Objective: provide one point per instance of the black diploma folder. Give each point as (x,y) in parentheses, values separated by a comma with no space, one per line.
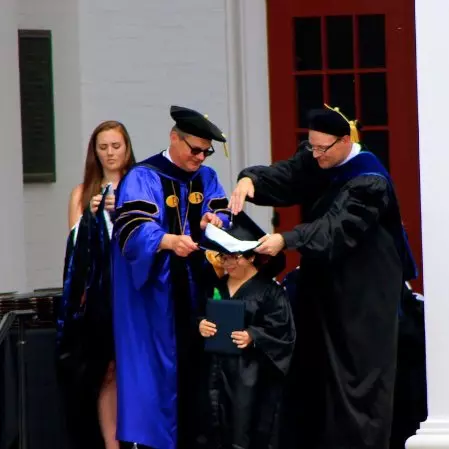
(229,316)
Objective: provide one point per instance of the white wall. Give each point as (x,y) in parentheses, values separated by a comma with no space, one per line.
(140,56)
(12,249)
(46,205)
(249,114)
(128,61)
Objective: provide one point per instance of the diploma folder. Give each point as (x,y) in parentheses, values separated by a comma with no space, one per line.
(229,316)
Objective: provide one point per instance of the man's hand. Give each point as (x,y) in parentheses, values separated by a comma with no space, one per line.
(181,245)
(211,218)
(243,189)
(207,328)
(272,244)
(241,338)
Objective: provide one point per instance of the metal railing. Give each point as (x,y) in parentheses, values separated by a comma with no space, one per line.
(5,326)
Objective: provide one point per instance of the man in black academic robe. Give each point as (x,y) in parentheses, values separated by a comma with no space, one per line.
(355,258)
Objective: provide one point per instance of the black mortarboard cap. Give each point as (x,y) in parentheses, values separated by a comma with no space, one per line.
(244,228)
(196,124)
(331,121)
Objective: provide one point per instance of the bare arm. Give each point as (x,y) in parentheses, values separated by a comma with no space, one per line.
(75,208)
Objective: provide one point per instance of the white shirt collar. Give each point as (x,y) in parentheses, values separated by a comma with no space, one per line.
(355,150)
(166,154)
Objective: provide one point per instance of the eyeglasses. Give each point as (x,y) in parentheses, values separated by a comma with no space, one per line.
(319,148)
(228,258)
(196,151)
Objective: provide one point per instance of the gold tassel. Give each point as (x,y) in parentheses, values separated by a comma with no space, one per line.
(211,257)
(225,147)
(354,132)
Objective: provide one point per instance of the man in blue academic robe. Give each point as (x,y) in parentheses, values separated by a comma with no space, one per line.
(163,206)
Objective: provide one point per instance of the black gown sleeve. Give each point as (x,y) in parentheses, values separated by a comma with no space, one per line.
(285,183)
(81,260)
(356,209)
(76,274)
(273,330)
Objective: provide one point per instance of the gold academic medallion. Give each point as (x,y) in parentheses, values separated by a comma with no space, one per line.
(196,198)
(172,201)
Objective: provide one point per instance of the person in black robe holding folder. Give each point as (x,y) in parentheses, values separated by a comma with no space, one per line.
(245,388)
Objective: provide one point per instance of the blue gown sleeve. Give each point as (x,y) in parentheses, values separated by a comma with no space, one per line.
(138,229)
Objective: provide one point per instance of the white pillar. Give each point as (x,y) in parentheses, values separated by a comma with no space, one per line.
(249,106)
(432,34)
(12,244)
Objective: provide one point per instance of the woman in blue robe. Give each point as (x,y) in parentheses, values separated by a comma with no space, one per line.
(85,340)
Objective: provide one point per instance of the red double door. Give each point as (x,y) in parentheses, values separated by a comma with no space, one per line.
(358,55)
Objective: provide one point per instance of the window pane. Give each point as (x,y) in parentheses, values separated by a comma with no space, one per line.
(340,53)
(373,90)
(377,143)
(342,94)
(371,41)
(309,95)
(308,43)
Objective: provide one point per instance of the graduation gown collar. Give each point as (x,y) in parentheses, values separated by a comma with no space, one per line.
(365,163)
(166,168)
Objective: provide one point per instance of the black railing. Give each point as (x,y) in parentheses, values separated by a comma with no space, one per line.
(5,326)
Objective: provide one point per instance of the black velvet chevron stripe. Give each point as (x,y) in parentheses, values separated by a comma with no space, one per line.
(138,206)
(127,225)
(218,203)
(125,218)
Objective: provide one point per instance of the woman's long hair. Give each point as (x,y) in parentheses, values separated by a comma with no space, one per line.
(93,171)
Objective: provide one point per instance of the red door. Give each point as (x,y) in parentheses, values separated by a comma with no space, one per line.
(358,55)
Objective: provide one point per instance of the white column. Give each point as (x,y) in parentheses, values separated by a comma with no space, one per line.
(12,245)
(432,35)
(249,106)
